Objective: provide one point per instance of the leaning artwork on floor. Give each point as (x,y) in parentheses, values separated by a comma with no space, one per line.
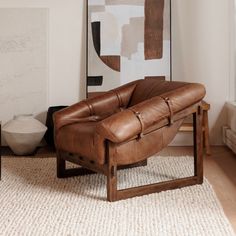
(23,61)
(127,40)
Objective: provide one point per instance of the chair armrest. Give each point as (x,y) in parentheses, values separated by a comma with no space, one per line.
(134,121)
(71,114)
(92,109)
(143,116)
(96,108)
(119,127)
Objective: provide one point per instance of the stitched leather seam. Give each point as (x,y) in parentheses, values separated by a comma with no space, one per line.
(118,97)
(169,104)
(91,110)
(139,117)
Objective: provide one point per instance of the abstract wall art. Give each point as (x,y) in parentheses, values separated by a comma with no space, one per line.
(127,40)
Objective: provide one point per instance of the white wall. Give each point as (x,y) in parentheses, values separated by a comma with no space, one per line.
(67,24)
(202,52)
(23,61)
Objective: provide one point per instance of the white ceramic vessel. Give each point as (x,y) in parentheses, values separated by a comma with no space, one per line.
(23,134)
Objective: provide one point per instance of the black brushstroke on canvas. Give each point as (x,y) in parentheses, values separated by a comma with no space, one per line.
(96,32)
(94,80)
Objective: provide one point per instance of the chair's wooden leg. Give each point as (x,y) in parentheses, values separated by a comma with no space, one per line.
(206,133)
(112,184)
(113,194)
(61,166)
(198,145)
(155,188)
(62,172)
(111,175)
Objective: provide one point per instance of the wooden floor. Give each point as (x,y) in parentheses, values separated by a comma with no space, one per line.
(220,170)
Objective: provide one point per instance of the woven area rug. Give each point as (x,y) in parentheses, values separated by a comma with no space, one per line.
(34,202)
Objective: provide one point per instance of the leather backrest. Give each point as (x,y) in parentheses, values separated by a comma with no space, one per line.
(151,87)
(124,93)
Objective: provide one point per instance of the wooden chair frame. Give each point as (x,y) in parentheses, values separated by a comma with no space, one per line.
(110,168)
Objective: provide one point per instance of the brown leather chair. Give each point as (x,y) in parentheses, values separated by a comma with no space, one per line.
(124,127)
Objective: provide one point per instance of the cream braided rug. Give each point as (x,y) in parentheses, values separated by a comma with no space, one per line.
(34,202)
